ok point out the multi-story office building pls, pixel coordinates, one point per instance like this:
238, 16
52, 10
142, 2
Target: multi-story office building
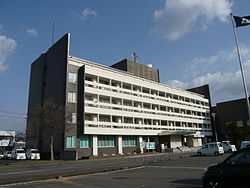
113, 111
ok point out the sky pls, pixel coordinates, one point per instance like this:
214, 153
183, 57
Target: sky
191, 42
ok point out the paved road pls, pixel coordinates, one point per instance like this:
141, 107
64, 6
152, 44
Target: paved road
184, 172
21, 171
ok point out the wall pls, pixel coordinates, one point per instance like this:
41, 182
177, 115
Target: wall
107, 150
138, 69
84, 152
230, 111
48, 81
128, 150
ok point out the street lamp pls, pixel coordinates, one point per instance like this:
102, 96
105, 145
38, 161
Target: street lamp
215, 131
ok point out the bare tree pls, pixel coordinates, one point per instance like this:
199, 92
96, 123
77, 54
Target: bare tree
47, 121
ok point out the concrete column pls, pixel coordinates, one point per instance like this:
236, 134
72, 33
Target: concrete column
95, 118
95, 145
175, 141
119, 120
140, 140
95, 81
205, 140
119, 139
140, 121
190, 141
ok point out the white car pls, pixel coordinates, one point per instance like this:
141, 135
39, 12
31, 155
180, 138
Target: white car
228, 147
18, 154
1, 155
213, 148
32, 154
244, 144
7, 155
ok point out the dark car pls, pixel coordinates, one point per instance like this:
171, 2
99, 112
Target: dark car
232, 172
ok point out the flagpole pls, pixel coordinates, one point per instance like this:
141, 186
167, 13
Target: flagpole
241, 68
53, 29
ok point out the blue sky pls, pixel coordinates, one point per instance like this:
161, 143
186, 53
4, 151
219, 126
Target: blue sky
190, 41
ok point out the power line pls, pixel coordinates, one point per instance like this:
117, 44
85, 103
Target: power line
8, 112
9, 116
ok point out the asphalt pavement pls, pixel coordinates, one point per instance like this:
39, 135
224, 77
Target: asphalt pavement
24, 171
182, 171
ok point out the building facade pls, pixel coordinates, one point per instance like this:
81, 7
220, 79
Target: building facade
231, 121
137, 69
113, 111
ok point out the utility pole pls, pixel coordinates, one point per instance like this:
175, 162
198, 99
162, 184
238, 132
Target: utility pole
215, 130
135, 56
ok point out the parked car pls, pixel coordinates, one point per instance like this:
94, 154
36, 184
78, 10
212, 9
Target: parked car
1, 155
213, 148
32, 154
7, 155
244, 144
228, 147
232, 172
18, 154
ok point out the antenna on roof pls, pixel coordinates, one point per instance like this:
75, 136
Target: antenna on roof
53, 30
135, 56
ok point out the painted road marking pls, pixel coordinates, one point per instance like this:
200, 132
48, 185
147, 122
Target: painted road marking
176, 167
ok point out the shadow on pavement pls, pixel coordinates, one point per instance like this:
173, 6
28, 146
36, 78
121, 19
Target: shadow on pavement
188, 183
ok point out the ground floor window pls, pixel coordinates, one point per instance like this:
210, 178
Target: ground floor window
70, 141
85, 141
145, 139
106, 141
129, 141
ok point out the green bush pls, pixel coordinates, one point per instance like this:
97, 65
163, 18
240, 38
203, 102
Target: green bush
138, 150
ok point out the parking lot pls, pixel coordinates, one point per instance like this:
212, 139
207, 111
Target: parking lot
182, 172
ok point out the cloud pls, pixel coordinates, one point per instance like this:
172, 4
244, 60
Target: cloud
83, 15
220, 71
86, 13
179, 17
222, 85
7, 46
32, 32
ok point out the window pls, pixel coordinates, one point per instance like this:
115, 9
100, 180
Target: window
70, 141
72, 97
129, 141
225, 143
72, 77
106, 141
211, 145
73, 118
205, 146
241, 158
85, 141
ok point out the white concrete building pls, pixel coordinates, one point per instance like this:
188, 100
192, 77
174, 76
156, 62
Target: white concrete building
113, 111
120, 104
